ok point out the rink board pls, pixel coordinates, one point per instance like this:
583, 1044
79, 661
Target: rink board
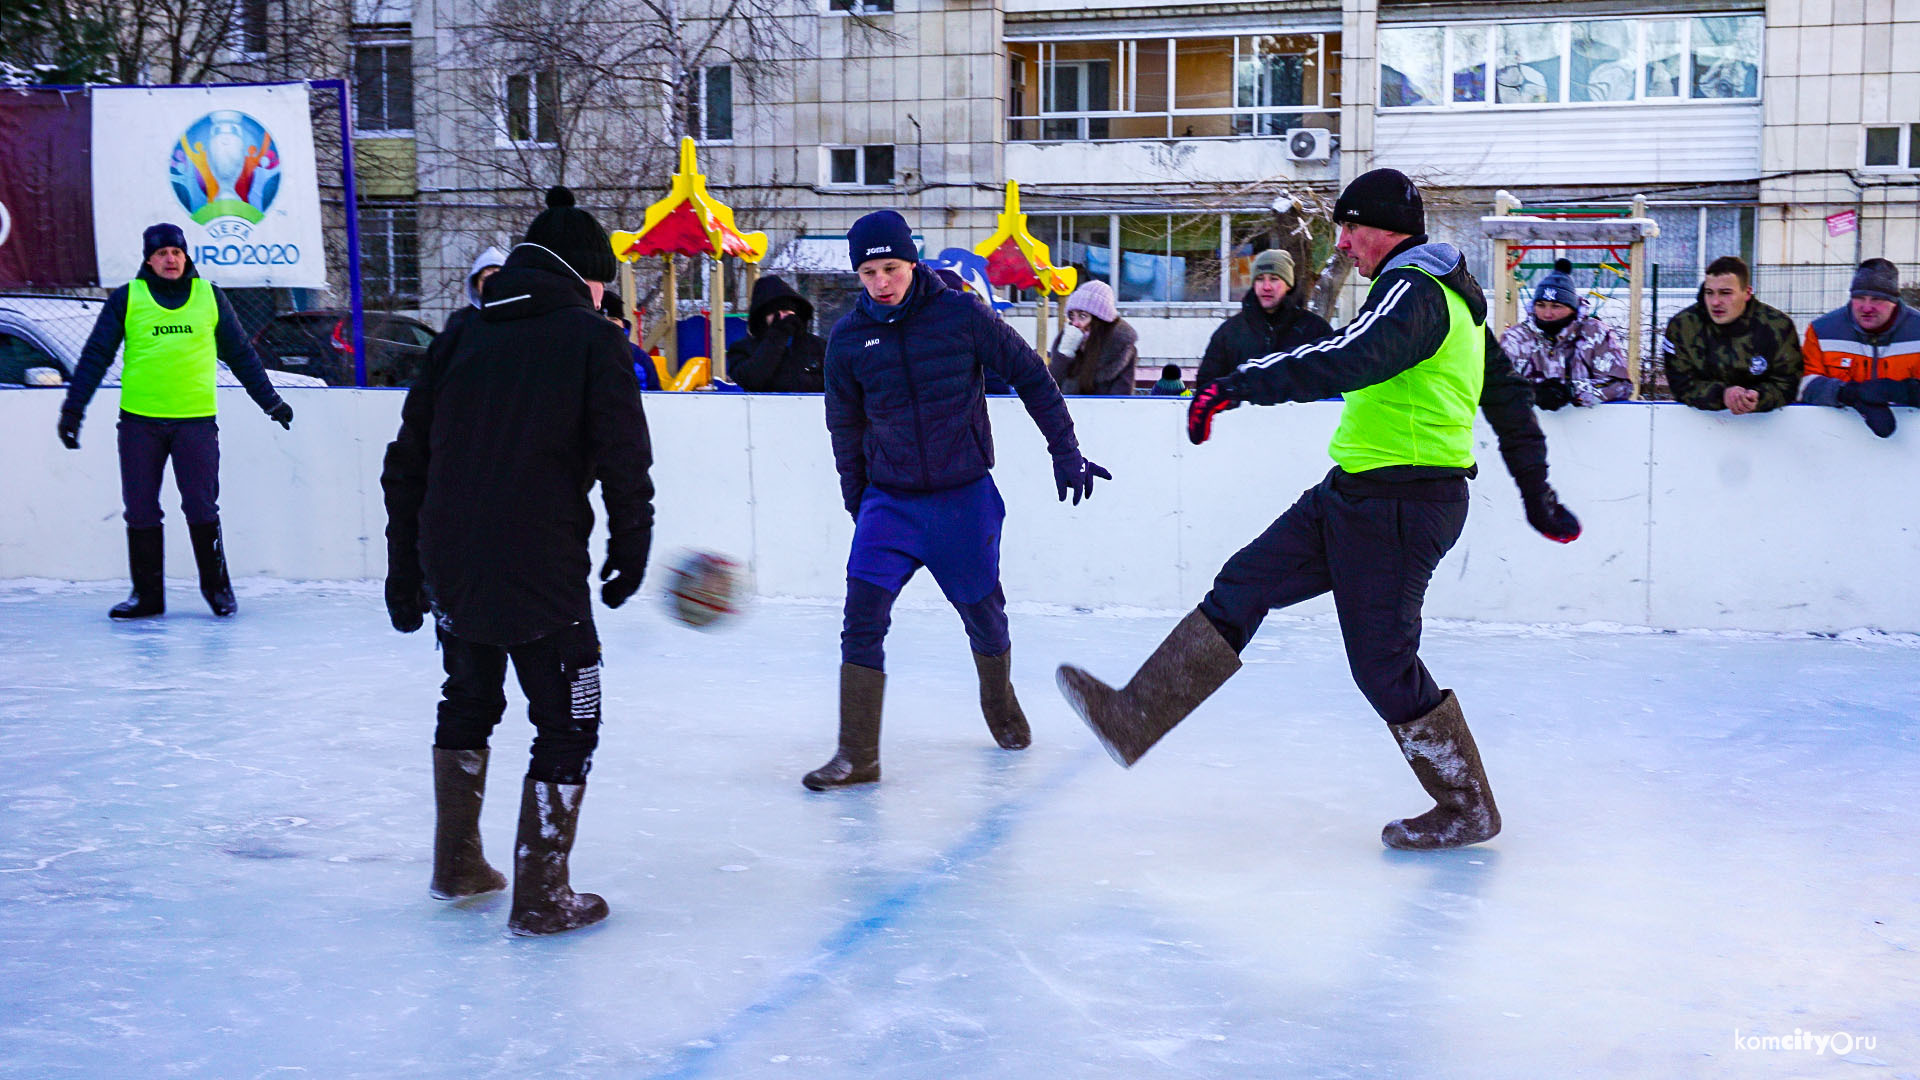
1796, 520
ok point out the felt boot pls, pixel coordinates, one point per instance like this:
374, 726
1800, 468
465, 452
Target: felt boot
543, 900
146, 564
1447, 763
1184, 671
998, 703
459, 786
210, 555
857, 761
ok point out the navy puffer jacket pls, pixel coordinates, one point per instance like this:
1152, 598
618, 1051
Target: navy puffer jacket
906, 403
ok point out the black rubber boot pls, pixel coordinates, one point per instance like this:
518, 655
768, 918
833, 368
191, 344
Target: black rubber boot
1447, 763
1184, 671
998, 704
146, 564
858, 759
543, 900
210, 555
459, 866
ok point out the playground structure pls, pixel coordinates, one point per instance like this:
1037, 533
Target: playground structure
1016, 258
1620, 234
688, 221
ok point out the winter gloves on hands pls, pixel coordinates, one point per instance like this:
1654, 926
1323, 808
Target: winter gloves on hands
1551, 395
69, 429
1871, 397
1548, 517
626, 564
407, 602
1211, 400
282, 414
1074, 473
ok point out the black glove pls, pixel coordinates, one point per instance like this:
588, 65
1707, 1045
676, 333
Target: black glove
1870, 399
1211, 400
406, 601
1551, 395
282, 414
1074, 473
626, 564
69, 429
1549, 518
788, 324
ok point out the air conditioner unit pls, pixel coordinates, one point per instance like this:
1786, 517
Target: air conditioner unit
1309, 144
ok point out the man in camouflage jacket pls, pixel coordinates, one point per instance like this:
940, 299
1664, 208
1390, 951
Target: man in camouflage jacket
1730, 351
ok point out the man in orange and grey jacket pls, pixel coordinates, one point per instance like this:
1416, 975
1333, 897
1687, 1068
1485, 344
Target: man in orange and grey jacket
1866, 355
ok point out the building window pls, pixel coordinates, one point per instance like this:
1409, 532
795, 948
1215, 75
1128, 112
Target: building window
383, 86
1893, 148
1194, 257
1583, 61
1172, 87
250, 26
710, 106
390, 253
860, 7
859, 166
533, 108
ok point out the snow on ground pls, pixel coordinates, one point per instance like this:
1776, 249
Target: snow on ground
215, 844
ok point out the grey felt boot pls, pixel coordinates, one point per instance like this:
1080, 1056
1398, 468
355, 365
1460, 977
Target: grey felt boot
857, 761
1447, 763
998, 703
460, 868
1184, 671
543, 899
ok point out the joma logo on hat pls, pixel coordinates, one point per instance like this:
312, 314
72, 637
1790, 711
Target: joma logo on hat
878, 250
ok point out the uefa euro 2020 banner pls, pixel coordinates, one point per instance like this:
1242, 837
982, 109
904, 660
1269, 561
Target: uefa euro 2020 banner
233, 166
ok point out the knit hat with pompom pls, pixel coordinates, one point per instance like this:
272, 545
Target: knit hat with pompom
573, 234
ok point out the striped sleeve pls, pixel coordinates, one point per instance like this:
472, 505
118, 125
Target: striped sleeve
1403, 322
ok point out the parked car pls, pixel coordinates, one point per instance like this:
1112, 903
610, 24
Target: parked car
320, 343
41, 338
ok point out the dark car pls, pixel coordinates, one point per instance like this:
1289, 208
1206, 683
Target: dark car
320, 343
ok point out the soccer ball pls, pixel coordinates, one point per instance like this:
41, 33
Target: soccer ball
703, 588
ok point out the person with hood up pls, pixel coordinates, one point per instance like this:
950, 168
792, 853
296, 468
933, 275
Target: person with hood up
907, 412
780, 354
1096, 352
485, 265
1567, 356
1271, 319
1412, 366
515, 415
175, 325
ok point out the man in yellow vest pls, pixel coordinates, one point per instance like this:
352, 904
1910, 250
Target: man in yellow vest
1412, 365
174, 324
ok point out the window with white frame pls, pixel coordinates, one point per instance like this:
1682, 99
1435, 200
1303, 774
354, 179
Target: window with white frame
1166, 86
390, 253
250, 27
710, 105
530, 111
1571, 62
859, 7
383, 84
1892, 148
1164, 257
857, 166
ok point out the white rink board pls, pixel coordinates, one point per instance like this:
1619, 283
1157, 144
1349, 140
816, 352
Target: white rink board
1797, 520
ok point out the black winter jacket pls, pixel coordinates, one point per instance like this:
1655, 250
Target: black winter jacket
110, 330
1403, 322
785, 358
513, 417
1254, 333
905, 399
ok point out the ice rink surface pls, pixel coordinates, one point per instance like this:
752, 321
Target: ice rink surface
215, 839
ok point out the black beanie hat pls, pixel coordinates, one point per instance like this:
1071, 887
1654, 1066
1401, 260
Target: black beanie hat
1384, 199
573, 234
883, 234
1877, 278
164, 235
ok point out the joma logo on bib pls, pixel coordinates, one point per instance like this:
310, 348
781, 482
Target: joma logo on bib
172, 328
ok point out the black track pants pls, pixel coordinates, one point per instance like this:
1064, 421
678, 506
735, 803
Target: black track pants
559, 673
1376, 554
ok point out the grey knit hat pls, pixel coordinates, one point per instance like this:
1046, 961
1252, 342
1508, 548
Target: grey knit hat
1877, 278
1274, 261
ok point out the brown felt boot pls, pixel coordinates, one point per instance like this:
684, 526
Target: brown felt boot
1447, 763
543, 900
858, 759
1184, 671
459, 867
999, 705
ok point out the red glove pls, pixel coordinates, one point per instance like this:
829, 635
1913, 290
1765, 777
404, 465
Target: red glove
1211, 400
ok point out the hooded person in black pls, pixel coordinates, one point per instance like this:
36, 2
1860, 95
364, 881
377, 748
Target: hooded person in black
515, 415
780, 355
